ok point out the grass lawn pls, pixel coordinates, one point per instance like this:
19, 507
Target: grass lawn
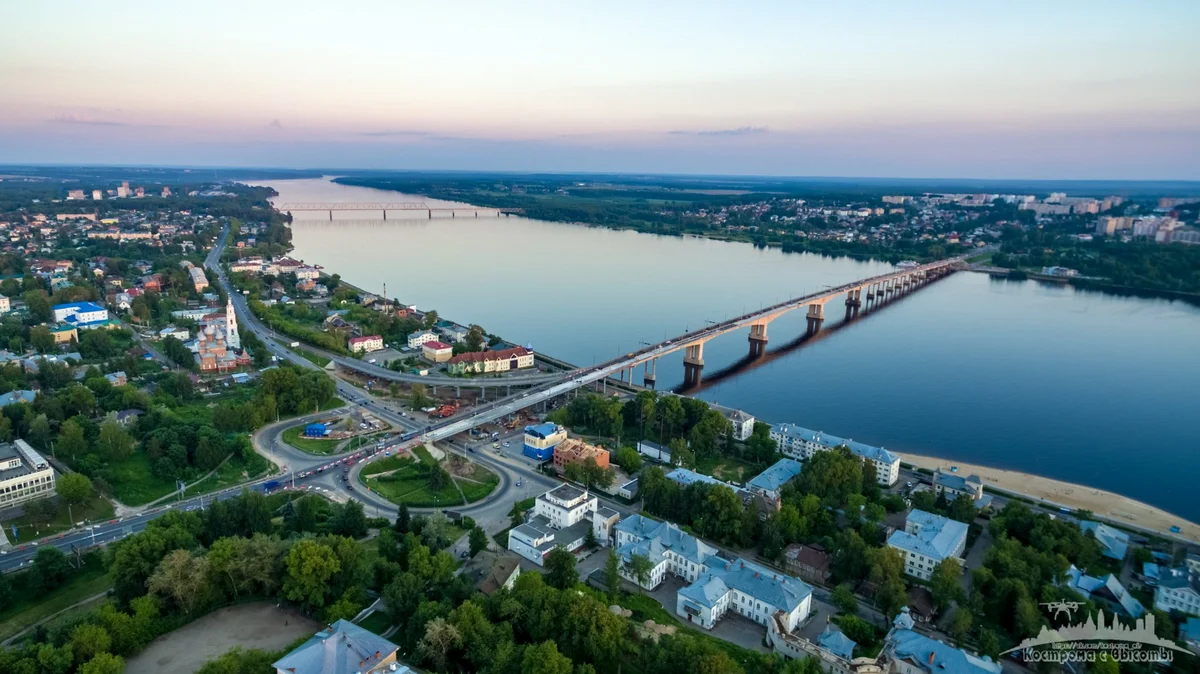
423, 454
294, 437
314, 358
134, 483
233, 471
646, 608
363, 440
98, 508
378, 622
728, 468
26, 607
482, 483
980, 259
409, 484
385, 464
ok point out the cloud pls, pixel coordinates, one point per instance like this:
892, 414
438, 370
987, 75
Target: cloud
740, 131
400, 132
76, 118
275, 124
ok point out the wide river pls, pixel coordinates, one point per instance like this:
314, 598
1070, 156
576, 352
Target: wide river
1079, 386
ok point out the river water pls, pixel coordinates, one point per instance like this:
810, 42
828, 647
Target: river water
1079, 386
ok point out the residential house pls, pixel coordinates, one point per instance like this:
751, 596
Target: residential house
573, 451
769, 483
490, 572
809, 562
416, 339
437, 352
802, 443
365, 344
63, 333
13, 397
1107, 589
743, 424
117, 378
562, 518
911, 652
1178, 590
928, 539
1114, 543
503, 360
342, 648
5, 305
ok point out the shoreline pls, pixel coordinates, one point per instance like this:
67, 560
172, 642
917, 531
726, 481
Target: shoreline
1105, 505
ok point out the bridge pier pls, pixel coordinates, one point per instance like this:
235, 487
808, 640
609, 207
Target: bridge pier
508, 390
693, 364
385, 214
816, 316
854, 297
331, 216
483, 393
758, 339
651, 373
431, 214
457, 391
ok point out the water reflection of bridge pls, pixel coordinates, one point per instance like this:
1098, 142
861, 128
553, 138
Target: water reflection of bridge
418, 206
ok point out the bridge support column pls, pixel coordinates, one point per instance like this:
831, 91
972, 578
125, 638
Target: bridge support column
854, 297
651, 373
431, 214
483, 393
434, 390
508, 391
457, 391
758, 339
816, 316
331, 216
385, 214
693, 364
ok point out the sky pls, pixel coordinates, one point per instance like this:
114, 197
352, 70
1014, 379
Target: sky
1052, 89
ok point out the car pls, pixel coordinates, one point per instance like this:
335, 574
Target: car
471, 450
518, 483
506, 443
495, 445
908, 484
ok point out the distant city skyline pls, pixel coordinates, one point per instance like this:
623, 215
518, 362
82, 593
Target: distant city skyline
1018, 90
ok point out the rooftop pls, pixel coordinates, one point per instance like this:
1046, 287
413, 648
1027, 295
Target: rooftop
830, 441
542, 431
1113, 542
435, 345
79, 306
934, 656
777, 475
956, 481
837, 643
937, 538
478, 356
687, 477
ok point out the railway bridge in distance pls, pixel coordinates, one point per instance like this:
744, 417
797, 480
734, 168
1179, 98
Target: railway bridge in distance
399, 206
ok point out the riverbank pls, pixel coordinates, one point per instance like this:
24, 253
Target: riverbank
1119, 509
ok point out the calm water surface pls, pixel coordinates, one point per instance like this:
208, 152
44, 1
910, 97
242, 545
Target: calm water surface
1046, 379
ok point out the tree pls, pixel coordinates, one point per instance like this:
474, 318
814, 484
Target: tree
475, 338
418, 398
681, 454
760, 447
946, 583
74, 488
671, 417
640, 567
478, 540
90, 640
560, 569
50, 569
310, 567
104, 663
440, 639
544, 658
183, 577
115, 444
350, 520
960, 625
628, 459
42, 511
612, 575
844, 600
71, 440
402, 520
41, 339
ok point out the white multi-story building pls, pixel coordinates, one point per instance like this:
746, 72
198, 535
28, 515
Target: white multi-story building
953, 485
366, 343
1178, 590
802, 443
926, 540
24, 474
743, 425
308, 274
80, 314
769, 483
416, 339
5, 306
718, 584
562, 518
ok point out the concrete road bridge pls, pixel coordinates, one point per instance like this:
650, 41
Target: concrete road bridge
398, 206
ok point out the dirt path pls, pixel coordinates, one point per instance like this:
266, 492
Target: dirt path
261, 625
1105, 504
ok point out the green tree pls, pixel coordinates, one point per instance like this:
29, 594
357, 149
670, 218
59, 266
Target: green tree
50, 569
544, 658
74, 488
115, 444
71, 439
612, 575
90, 640
309, 568
681, 454
104, 663
440, 640
844, 600
475, 338
183, 577
418, 398
402, 520
41, 339
478, 540
560, 569
960, 625
350, 520
640, 567
946, 583
628, 459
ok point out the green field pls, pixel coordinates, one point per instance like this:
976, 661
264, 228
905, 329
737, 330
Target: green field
26, 607
232, 472
314, 358
409, 484
482, 483
294, 437
98, 508
134, 483
378, 622
728, 468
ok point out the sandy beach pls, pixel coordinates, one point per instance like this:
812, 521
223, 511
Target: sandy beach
1105, 504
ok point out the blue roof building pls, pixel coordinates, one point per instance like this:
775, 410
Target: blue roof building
1189, 631
771, 481
541, 439
1114, 543
926, 540
834, 641
919, 652
13, 397
802, 443
342, 648
1107, 588
316, 430
80, 314
686, 477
